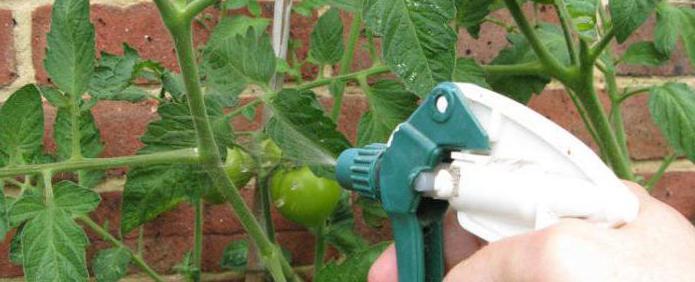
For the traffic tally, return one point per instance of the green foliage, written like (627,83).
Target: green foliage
(327,39)
(70,46)
(671,23)
(235,256)
(52,244)
(353,269)
(300,128)
(672,106)
(467,70)
(4,218)
(644,53)
(418,43)
(389,105)
(472,13)
(252,5)
(112,79)
(583,13)
(628,15)
(110,265)
(21,126)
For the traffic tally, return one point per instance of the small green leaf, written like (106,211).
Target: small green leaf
(75,199)
(340,231)
(327,39)
(354,268)
(389,105)
(54,96)
(237,57)
(628,15)
(53,247)
(25,208)
(471,14)
(583,13)
(418,43)
(467,70)
(70,46)
(301,130)
(688,32)
(110,265)
(673,109)
(644,53)
(235,256)
(21,126)
(112,78)
(667,28)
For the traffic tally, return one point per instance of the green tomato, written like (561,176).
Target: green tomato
(270,153)
(240,169)
(303,197)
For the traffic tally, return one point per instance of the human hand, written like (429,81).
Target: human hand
(658,246)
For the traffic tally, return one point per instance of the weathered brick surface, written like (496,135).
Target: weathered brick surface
(7,55)
(676,189)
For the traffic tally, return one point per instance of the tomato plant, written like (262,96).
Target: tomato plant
(184,150)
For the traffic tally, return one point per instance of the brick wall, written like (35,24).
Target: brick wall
(23,27)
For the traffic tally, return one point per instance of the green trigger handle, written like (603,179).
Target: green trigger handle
(443,123)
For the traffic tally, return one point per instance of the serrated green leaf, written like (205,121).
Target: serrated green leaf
(113,76)
(89,135)
(467,70)
(75,199)
(688,32)
(21,126)
(354,268)
(25,208)
(389,105)
(327,39)
(672,107)
(472,13)
(235,256)
(238,57)
(110,265)
(628,15)
(53,247)
(340,231)
(70,48)
(667,28)
(522,87)
(644,53)
(54,96)
(300,128)
(418,44)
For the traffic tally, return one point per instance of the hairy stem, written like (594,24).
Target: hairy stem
(184,156)
(374,70)
(346,61)
(137,259)
(567,29)
(532,68)
(616,115)
(210,158)
(319,248)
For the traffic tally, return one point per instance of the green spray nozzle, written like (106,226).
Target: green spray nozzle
(443,123)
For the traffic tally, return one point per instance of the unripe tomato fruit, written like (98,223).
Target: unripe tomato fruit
(302,197)
(270,153)
(240,169)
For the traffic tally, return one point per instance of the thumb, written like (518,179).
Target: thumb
(385,268)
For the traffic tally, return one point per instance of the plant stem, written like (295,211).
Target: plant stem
(210,158)
(197,255)
(196,7)
(319,248)
(107,236)
(660,172)
(256,101)
(616,115)
(189,156)
(47,176)
(632,93)
(533,68)
(584,88)
(374,70)
(346,61)
(598,48)
(550,63)
(567,29)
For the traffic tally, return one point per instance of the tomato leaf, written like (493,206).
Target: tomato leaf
(354,268)
(90,141)
(667,28)
(472,13)
(389,105)
(110,265)
(628,15)
(112,78)
(327,39)
(239,53)
(644,53)
(583,13)
(418,43)
(467,70)
(53,247)
(21,126)
(75,199)
(300,128)
(70,48)
(235,256)
(687,27)
(522,87)
(672,107)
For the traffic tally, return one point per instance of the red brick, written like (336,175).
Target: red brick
(8,269)
(676,189)
(115,26)
(7,52)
